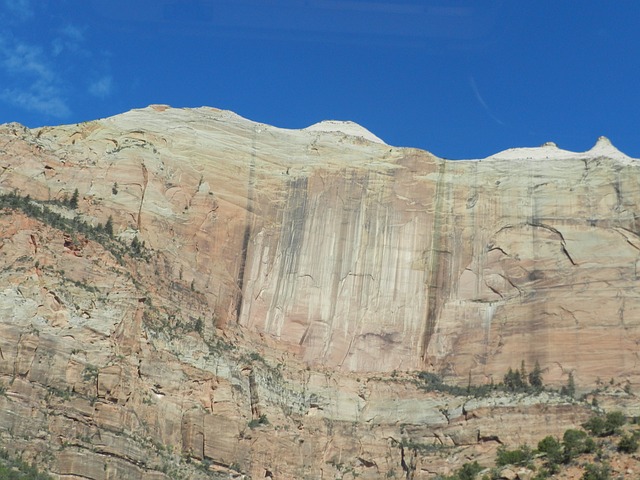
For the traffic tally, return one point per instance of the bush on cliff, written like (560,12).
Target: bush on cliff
(605,426)
(596,472)
(521,456)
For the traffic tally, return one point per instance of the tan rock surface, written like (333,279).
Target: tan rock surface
(290,283)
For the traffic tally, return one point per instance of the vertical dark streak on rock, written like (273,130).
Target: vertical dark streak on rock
(294,215)
(247,226)
(145,175)
(617,186)
(438,265)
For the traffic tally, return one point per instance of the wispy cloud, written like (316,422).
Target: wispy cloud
(44,76)
(69,39)
(102,87)
(20,9)
(38,98)
(484,105)
(20,58)
(36,87)
(73,32)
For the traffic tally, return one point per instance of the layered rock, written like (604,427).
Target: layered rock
(289,283)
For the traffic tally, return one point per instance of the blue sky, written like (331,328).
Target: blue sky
(462,79)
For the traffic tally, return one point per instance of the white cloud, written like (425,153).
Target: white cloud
(101,87)
(43,76)
(38,98)
(28,59)
(36,85)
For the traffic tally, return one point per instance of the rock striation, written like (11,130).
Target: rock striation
(284,286)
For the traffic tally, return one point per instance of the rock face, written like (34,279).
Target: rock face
(289,282)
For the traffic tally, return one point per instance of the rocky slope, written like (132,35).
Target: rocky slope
(290,285)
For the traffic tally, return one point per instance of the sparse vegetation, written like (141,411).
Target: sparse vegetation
(17,469)
(432,382)
(515,381)
(604,426)
(419,446)
(576,447)
(256,422)
(468,471)
(628,443)
(90,373)
(103,234)
(596,472)
(57,392)
(553,451)
(521,456)
(519,381)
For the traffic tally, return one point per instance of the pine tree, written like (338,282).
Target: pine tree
(570,388)
(571,385)
(73,203)
(108,227)
(535,377)
(135,246)
(523,375)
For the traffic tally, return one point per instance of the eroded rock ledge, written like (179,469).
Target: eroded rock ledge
(292,283)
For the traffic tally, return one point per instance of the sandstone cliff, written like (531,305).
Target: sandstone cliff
(289,284)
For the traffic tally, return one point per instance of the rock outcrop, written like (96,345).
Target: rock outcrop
(284,286)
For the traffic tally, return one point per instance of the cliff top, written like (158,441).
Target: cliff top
(602,148)
(345,127)
(165,117)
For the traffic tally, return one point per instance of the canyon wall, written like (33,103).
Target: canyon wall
(304,277)
(365,257)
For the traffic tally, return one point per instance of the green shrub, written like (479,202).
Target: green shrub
(553,451)
(543,474)
(468,471)
(520,456)
(614,421)
(596,472)
(628,444)
(576,442)
(595,425)
(605,426)
(256,422)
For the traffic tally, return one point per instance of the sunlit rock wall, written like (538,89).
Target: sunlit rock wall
(465,267)
(355,254)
